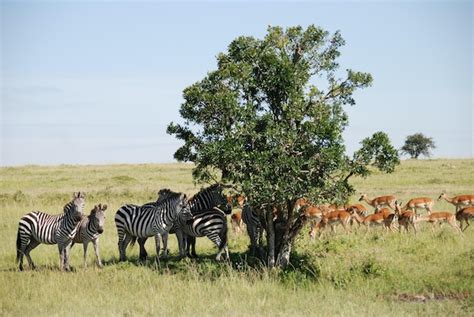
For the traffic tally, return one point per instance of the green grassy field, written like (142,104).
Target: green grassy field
(357,274)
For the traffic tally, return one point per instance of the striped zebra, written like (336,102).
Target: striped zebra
(208,207)
(38,227)
(254,228)
(153,219)
(89,230)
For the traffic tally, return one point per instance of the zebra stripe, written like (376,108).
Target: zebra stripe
(38,227)
(89,230)
(211,224)
(208,207)
(210,198)
(206,221)
(153,219)
(254,227)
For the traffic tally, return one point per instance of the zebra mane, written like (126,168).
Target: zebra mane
(163,196)
(67,207)
(205,191)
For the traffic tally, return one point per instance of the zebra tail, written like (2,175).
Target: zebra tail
(132,242)
(18,246)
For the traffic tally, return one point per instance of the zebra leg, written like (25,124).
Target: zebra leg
(158,237)
(63,257)
(164,239)
(95,243)
(122,245)
(66,257)
(192,246)
(187,244)
(143,253)
(33,244)
(84,244)
(222,245)
(181,243)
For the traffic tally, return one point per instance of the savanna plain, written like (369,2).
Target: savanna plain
(375,273)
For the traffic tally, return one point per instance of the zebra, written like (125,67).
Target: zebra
(38,227)
(89,230)
(208,207)
(153,219)
(254,228)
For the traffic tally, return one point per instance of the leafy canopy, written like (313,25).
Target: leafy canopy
(417,144)
(271,118)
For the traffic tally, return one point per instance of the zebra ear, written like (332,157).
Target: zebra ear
(104,207)
(79,195)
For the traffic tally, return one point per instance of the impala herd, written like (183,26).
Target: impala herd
(387,212)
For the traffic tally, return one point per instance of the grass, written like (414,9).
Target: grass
(357,274)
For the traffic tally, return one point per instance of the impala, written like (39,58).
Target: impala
(383,217)
(419,203)
(405,218)
(360,209)
(332,219)
(464,215)
(236,222)
(442,217)
(459,201)
(379,202)
(311,212)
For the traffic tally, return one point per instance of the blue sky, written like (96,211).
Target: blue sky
(97,82)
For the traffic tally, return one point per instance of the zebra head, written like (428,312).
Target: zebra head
(184,209)
(75,208)
(164,194)
(211,198)
(98,217)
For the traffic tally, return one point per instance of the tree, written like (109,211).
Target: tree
(417,144)
(261,121)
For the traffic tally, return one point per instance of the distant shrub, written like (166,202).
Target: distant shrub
(372,268)
(19,196)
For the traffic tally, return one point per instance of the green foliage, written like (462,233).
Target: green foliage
(418,144)
(261,121)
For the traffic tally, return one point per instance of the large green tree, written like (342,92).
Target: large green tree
(418,144)
(270,119)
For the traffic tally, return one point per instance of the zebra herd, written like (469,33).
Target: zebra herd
(204,214)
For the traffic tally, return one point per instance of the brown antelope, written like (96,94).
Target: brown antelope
(464,215)
(442,217)
(459,201)
(236,222)
(419,203)
(379,202)
(383,217)
(360,209)
(405,218)
(332,219)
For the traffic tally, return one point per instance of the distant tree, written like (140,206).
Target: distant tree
(261,122)
(417,144)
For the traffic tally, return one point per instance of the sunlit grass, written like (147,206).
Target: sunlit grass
(373,273)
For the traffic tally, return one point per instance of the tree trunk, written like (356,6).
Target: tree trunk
(287,240)
(283,258)
(270,237)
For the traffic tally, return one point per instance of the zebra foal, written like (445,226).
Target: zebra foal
(38,227)
(89,229)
